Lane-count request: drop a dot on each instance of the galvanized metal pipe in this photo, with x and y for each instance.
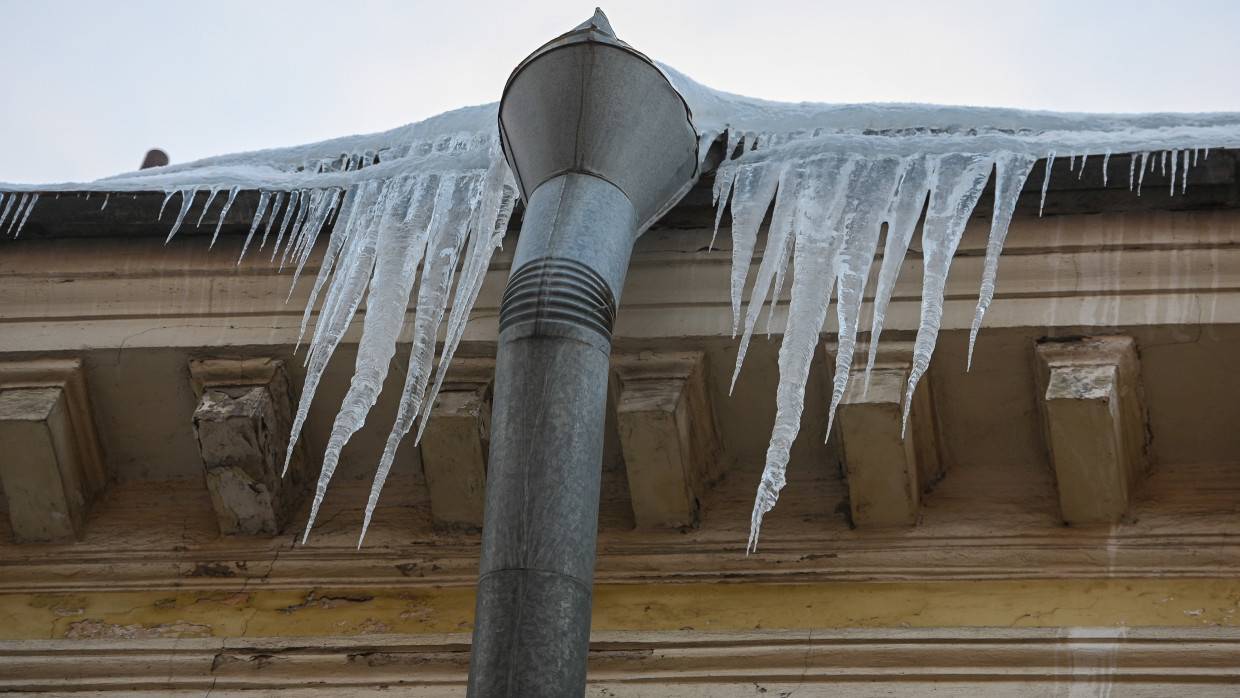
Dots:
(600, 144)
(534, 589)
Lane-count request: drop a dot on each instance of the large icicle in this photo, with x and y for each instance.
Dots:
(902, 216)
(867, 198)
(774, 258)
(958, 184)
(815, 249)
(359, 198)
(752, 192)
(395, 269)
(1011, 171)
(486, 236)
(447, 230)
(349, 281)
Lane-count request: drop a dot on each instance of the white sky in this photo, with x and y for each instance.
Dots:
(89, 86)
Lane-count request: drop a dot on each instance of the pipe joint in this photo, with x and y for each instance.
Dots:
(557, 290)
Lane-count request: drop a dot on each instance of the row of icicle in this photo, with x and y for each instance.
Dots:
(386, 234)
(393, 237)
(827, 214)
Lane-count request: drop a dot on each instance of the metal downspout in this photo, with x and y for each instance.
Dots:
(601, 145)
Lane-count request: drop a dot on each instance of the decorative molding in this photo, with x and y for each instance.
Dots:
(185, 296)
(850, 663)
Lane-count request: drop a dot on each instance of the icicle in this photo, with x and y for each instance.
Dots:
(445, 236)
(25, 216)
(1081, 172)
(1046, 181)
(773, 259)
(342, 243)
(271, 219)
(167, 195)
(1106, 162)
(306, 230)
(957, 187)
(314, 227)
(491, 220)
(1011, 171)
(1206, 155)
(17, 213)
(1141, 175)
(305, 202)
(8, 207)
(751, 197)
(1071, 161)
(264, 197)
(106, 197)
(902, 216)
(1184, 176)
(814, 257)
(1175, 159)
(398, 253)
(778, 289)
(232, 195)
(1132, 170)
(868, 195)
(492, 214)
(721, 199)
(364, 220)
(290, 213)
(1163, 158)
(356, 258)
(306, 227)
(303, 230)
(725, 176)
(210, 198)
(187, 199)
(323, 204)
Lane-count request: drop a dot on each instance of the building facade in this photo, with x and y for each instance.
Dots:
(1059, 521)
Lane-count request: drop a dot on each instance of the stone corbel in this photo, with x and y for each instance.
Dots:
(51, 466)
(1094, 419)
(242, 421)
(456, 442)
(667, 434)
(887, 471)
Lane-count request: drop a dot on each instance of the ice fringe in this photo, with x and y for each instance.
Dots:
(403, 207)
(833, 176)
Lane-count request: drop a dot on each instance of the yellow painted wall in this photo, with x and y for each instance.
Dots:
(704, 607)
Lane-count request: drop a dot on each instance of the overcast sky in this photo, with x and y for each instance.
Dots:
(89, 85)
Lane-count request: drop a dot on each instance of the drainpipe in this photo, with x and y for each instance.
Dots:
(601, 145)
